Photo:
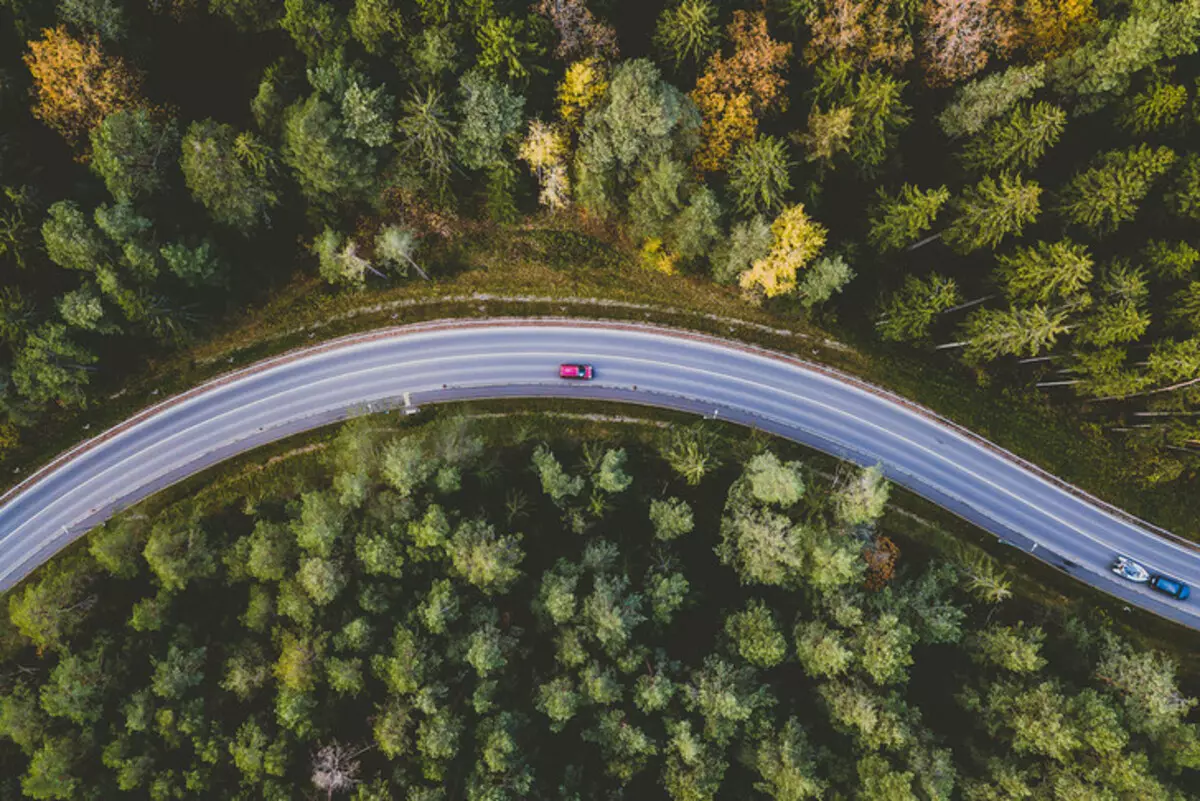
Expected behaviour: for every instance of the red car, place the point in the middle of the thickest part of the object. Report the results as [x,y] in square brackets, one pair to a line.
[580,372]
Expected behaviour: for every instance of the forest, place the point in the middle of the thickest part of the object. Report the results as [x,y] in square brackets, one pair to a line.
[1004,190]
[463,608]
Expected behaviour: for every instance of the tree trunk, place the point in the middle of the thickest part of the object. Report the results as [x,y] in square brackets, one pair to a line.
[1165,414]
[968,304]
[416,267]
[1172,388]
[922,243]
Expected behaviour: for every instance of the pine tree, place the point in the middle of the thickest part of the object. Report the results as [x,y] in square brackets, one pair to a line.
[316,26]
[1108,193]
[826,277]
[1048,270]
[1158,106]
[131,152]
[1113,321]
[328,166]
[992,333]
[507,45]
[491,117]
[992,210]
[828,133]
[1020,140]
[980,101]
[759,175]
[880,114]
[229,173]
[898,221]
[687,31]
[427,140]
[376,25]
[1173,361]
[1170,260]
[1183,198]
[1102,67]
[1105,373]
[910,312]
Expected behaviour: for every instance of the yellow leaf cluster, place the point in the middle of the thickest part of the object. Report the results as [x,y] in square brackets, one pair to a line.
[656,257]
[545,150]
[76,86]
[795,240]
[726,121]
[544,146]
[584,83]
[1054,27]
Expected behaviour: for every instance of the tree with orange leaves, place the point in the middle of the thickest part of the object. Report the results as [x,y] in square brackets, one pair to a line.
[734,92]
[76,85]
[881,558]
[960,36]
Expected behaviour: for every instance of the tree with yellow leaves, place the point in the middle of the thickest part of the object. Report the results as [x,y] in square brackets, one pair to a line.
[655,256]
[734,92]
[584,83]
[545,151]
[796,239]
[76,85]
[1053,27]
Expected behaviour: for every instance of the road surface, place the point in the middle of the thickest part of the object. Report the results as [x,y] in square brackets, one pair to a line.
[460,360]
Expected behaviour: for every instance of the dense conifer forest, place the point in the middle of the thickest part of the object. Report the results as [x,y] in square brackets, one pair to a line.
[464,609]
[1005,192]
[1007,189]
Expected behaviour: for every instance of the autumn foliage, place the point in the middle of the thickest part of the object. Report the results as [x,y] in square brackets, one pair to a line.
[960,36]
[861,32]
[583,84]
[795,241]
[76,86]
[734,92]
[881,559]
[1053,27]
[579,32]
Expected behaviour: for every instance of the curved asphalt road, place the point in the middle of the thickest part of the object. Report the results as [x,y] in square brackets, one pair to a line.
[660,367]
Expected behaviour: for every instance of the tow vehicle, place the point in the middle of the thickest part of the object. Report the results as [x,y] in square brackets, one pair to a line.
[1169,586]
[1130,570]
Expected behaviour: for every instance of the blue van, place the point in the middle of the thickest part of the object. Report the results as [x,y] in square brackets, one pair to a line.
[1170,586]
